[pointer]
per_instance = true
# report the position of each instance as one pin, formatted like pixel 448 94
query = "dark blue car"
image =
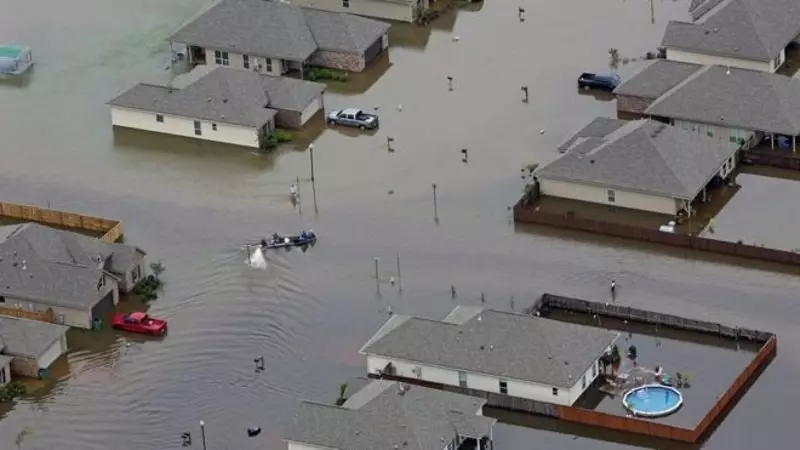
pixel 600 81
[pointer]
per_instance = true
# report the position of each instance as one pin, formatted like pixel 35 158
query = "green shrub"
pixel 319 73
pixel 148 288
pixel 11 391
pixel 283 136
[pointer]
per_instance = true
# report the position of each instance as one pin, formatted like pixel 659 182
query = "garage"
pixel 103 306
pixel 51 354
pixel 373 51
pixel 311 109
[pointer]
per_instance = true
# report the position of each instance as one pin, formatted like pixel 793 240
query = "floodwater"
pixel 194 205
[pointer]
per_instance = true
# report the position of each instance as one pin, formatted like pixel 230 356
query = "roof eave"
pixel 681 196
pixel 722 53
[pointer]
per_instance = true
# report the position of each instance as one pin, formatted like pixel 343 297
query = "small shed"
pixel 14 59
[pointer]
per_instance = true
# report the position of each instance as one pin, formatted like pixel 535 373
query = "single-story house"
pixel 397 10
pixel 382 414
pixel 76 277
pixel 491 351
pixel 223 105
pixel 748 34
pixel 643 164
pixel 273 37
pixel 733 105
pixel 32 346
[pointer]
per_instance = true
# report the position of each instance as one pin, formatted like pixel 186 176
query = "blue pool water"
pixel 652 400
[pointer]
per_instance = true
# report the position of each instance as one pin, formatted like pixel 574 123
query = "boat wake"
pixel 256 259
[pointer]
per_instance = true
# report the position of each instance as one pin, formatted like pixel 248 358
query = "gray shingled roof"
pixel 745 99
pixel 343 32
pixel 225 95
pixel 644 156
pixel 382 415
pixel 29 338
pixel 656 78
pixel 515 346
pixel 57 267
pixel 747 29
pixel 278 30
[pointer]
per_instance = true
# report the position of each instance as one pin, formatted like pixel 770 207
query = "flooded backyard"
pixel 193 205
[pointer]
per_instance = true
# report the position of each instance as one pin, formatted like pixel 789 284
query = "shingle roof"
pixel 385 415
pixel 24 337
pixel 656 78
pixel 275 29
pixel 225 95
pixel 746 99
pixel 747 29
pixel 645 156
pixel 516 346
pixel 343 32
pixel 57 267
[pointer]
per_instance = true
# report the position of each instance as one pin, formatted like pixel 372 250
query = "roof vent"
pixel 209 100
pixel 591 161
pixel 480 317
pixel 728 70
pixel 707 31
pixel 358 432
pixel 224 100
pixel 483 348
pixel 491 347
pixel 716 30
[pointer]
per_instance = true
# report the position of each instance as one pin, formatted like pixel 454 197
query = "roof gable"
pixel 28 337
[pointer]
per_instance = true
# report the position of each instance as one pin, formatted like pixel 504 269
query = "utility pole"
pixel 377 276
pixel 203 433
pixel 435 205
pixel 311 157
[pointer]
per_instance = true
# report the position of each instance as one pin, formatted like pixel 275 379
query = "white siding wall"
pixel 292 445
pixel 725 134
pixel 488 383
pixel 73 317
pixel 597 194
pixel 310 110
pixel 264 65
pixel 585 381
pixel 700 58
pixel 183 126
pixel 402 12
pixel 50 355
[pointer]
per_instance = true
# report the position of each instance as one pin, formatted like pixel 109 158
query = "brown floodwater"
pixel 193 205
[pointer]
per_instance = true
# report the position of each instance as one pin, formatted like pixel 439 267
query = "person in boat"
pixel 304 236
pixel 276 238
pixel 293 190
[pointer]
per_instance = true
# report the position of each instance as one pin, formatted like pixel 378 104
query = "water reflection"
pixel 18 81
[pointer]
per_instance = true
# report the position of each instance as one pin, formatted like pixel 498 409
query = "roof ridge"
pixel 677 87
pixel 787 110
pixel 751 19
pixel 663 154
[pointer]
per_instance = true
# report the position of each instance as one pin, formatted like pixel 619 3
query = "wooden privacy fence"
pixel 528 213
pixel 42 316
pixel 645 427
pixel 772 158
pixel 111 229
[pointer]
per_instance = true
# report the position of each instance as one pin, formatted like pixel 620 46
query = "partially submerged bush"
pixel 11 391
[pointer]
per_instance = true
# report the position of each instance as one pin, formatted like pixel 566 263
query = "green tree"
pixel 157 268
pixel 342 394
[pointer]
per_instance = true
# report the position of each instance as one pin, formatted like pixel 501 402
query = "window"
pixel 2 299
pixel 246 61
pixel 503 387
pixel 555 391
pixel 159 118
pixel 269 64
pixel 710 131
pixel 345 3
pixel 198 131
pixel 221 58
pixel 101 282
pixel 462 379
pixel 418 371
pixel 612 196
pixel 136 273
pixel 2 376
pixel 583 382
pixel 213 127
pixel 594 370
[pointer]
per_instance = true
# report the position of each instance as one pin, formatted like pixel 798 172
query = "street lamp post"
pixel 203 433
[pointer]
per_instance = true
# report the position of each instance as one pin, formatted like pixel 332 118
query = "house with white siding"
pixel 748 34
pixel 274 37
pixel 738 106
pixel 222 105
pixel 643 165
pixel 397 10
pixel 381 414
pixel 76 277
pixel 28 348
pixel 498 352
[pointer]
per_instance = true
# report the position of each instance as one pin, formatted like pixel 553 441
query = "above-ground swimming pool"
pixel 652 400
